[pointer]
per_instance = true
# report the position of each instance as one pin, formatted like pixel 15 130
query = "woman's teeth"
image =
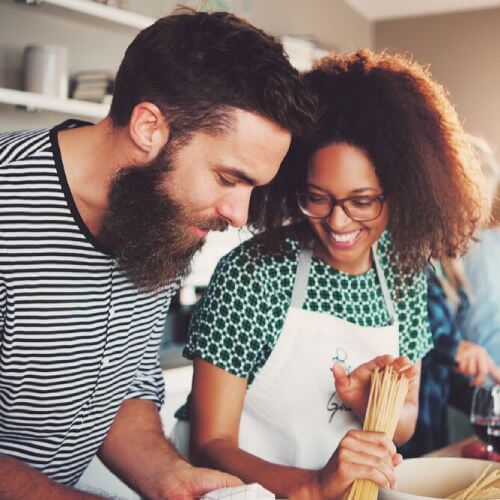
pixel 345 237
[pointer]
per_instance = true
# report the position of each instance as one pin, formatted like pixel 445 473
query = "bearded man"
pixel 98 225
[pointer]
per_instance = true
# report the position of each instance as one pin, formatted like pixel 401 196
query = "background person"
pixel 482 325
pixel 452 359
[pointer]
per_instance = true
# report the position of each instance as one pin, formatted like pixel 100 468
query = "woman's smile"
pixel 345 239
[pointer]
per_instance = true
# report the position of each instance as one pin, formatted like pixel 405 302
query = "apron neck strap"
pixel 304 265
pixel 383 284
pixel 301 277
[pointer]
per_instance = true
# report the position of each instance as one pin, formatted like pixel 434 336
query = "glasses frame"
pixel 341 203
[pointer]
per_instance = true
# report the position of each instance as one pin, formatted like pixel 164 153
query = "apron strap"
pixel 301 277
pixel 383 284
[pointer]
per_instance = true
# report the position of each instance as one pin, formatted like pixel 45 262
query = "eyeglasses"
pixel 358 208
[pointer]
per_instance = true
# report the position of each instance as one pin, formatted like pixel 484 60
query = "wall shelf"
pixel 34 101
pixel 94 9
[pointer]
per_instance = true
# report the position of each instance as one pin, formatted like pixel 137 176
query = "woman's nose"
pixel 338 219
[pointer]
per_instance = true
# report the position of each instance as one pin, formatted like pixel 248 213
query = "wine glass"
pixel 493 429
pixel 482 414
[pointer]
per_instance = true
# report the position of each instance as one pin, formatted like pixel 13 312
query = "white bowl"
pixel 434 478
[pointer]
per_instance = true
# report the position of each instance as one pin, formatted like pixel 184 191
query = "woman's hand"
pixel 474 361
pixel 360 455
pixel 354 389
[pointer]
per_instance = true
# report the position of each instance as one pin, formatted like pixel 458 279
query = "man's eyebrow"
pixel 238 174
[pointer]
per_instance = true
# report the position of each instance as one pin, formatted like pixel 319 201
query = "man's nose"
pixel 235 209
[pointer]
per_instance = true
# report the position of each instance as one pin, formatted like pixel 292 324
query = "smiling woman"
pixel 357 214
pixel 336 278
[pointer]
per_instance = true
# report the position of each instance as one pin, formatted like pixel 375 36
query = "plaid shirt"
pixel 437 367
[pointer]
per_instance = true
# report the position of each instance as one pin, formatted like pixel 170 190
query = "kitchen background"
pixel 459 39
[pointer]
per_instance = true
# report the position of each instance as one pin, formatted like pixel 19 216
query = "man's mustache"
pixel 214 225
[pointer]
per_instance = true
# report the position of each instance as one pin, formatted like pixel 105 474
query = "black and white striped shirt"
pixel 76 337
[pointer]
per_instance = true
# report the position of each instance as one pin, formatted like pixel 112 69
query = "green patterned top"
pixel 240 317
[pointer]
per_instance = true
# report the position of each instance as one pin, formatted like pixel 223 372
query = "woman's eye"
pixel 362 202
pixel 312 198
pixel 225 181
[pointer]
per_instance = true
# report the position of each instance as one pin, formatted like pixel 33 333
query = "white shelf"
pixel 94 9
pixel 42 102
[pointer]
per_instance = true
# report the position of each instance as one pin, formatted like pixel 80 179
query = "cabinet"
pixel 72 11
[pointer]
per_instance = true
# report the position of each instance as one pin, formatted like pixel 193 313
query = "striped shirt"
pixel 76 337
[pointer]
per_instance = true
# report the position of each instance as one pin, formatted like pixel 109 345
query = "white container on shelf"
pixel 46 70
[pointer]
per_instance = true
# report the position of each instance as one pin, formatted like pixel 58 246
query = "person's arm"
pixel 469 358
pixel 137 451
pixel 18 481
pixel 217 403
pixel 136 448
pixel 354 387
pixel 472 359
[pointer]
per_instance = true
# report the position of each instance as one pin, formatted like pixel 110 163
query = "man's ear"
pixel 148 129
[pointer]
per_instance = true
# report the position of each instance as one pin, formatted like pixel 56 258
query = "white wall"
pixel 463 52
pixel 331 22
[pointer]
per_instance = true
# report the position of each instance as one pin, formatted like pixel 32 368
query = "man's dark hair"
pixel 196 66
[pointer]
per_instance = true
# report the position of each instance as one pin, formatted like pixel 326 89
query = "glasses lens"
pixel 363 208
pixel 314 205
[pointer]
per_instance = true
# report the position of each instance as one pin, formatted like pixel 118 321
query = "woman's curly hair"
pixel 391 108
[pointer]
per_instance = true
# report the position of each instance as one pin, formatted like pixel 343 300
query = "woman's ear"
pixel 148 130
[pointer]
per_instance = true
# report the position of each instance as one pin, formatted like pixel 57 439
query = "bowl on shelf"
pixel 434 478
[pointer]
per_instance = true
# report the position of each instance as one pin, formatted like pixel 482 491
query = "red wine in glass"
pixel 480 426
pixel 493 434
pixel 482 413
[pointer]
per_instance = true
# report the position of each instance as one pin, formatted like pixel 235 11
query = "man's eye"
pixel 225 181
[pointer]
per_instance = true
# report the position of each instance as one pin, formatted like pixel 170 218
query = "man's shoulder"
pixel 21 145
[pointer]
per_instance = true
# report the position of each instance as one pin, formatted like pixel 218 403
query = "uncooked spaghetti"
pixel 485 487
pixel 387 396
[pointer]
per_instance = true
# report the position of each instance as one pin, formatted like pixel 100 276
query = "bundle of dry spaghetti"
pixel 387 395
pixel 486 486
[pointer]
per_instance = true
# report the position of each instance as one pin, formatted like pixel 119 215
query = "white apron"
pixel 291 414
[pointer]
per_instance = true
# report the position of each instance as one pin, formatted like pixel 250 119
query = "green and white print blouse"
pixel 240 317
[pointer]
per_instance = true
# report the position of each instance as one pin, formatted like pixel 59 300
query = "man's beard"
pixel 148 231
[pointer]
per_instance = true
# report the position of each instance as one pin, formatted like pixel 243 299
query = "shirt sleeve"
pixel 409 295
pixel 228 327
pixel 3 303
pixel 148 381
